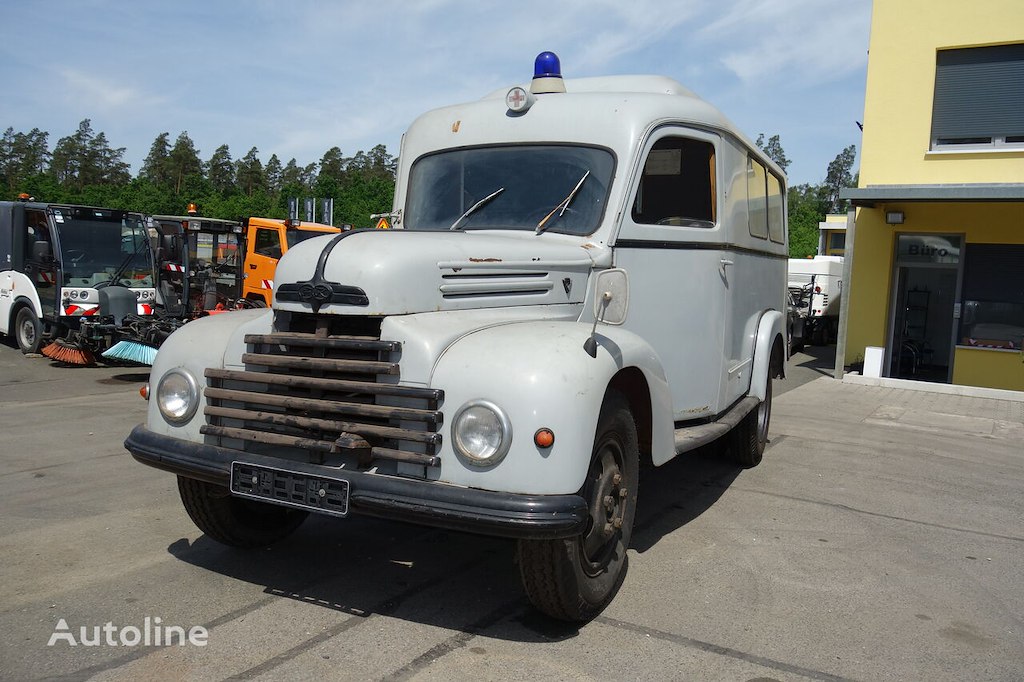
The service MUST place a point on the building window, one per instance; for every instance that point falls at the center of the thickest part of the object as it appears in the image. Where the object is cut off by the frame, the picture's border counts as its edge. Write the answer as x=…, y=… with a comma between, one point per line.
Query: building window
x=835, y=243
x=979, y=98
x=678, y=184
x=992, y=314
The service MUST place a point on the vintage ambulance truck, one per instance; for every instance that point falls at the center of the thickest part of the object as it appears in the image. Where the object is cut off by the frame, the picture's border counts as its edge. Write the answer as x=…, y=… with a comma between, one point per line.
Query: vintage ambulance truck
x=587, y=276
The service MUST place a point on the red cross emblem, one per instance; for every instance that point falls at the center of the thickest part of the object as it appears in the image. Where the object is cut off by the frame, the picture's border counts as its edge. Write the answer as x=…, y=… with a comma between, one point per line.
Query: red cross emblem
x=515, y=98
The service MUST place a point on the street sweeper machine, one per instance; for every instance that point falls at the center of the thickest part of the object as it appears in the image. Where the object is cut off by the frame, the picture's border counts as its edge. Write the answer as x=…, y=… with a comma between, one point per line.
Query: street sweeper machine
x=207, y=266
x=199, y=272
x=70, y=275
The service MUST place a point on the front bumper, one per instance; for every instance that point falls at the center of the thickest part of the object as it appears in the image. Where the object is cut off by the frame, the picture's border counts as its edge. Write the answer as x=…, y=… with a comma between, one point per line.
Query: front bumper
x=425, y=502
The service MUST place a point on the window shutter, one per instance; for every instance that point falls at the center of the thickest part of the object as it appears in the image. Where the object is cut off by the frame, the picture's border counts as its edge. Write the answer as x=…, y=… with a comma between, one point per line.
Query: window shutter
x=979, y=93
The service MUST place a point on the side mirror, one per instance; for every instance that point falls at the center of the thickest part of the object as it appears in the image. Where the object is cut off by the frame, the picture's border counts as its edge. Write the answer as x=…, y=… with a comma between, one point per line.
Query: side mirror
x=611, y=299
x=611, y=303
x=41, y=251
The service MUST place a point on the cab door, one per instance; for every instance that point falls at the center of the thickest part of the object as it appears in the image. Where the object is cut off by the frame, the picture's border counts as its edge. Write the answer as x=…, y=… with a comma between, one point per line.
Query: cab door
x=671, y=244
x=41, y=265
x=265, y=249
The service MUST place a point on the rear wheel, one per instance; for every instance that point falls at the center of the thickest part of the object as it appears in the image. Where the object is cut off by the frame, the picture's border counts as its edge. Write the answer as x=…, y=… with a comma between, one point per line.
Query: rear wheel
x=575, y=579
x=233, y=521
x=749, y=438
x=28, y=330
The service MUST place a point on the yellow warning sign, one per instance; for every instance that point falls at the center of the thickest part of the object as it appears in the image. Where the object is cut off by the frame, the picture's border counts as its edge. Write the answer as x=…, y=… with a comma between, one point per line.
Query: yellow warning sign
x=382, y=224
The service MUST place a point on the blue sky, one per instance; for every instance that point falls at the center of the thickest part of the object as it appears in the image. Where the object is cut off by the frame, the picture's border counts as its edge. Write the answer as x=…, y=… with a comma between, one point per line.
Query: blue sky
x=296, y=78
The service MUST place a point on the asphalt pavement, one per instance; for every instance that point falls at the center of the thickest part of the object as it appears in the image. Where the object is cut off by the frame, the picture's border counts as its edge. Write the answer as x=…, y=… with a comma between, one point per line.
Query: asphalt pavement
x=880, y=539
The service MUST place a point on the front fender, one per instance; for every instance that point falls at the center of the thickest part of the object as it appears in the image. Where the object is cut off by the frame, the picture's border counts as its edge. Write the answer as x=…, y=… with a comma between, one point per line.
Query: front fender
x=214, y=341
x=539, y=374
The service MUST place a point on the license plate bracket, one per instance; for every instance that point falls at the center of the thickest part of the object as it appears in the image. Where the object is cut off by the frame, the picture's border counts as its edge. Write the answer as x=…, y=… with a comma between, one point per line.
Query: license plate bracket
x=319, y=494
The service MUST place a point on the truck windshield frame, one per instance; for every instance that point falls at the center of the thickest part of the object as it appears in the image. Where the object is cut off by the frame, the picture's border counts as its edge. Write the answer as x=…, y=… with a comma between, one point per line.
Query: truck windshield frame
x=536, y=178
x=300, y=235
x=94, y=246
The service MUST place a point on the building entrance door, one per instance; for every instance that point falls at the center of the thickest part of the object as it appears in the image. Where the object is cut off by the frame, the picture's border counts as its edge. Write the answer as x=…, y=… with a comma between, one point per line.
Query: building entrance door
x=925, y=297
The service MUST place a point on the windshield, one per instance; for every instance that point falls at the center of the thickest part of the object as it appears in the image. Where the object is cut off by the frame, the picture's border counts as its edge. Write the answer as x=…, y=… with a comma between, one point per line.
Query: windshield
x=296, y=236
x=522, y=186
x=99, y=245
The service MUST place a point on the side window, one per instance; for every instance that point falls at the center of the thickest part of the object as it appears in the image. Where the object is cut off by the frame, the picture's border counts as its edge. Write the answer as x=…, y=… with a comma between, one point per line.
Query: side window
x=36, y=231
x=268, y=243
x=678, y=184
x=776, y=219
x=757, y=204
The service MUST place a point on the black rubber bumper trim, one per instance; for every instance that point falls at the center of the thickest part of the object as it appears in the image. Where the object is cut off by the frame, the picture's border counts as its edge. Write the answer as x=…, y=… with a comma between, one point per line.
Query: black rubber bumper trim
x=425, y=502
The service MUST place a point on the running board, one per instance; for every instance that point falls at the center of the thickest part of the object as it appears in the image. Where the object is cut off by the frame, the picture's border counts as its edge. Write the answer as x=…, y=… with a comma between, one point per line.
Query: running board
x=692, y=437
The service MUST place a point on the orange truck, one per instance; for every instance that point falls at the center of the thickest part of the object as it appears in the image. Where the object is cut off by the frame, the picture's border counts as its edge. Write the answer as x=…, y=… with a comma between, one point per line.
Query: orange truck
x=267, y=239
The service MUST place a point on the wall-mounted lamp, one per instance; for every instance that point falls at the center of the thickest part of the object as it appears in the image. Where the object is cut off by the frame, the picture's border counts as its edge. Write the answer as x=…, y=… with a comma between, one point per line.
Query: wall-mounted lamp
x=894, y=217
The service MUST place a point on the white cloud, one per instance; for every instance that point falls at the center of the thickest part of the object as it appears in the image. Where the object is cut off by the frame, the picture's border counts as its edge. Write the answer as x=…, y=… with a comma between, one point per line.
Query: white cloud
x=804, y=42
x=102, y=93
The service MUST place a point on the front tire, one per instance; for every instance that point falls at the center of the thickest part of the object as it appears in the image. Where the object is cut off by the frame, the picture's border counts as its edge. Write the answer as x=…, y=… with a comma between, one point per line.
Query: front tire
x=29, y=331
x=575, y=579
x=233, y=521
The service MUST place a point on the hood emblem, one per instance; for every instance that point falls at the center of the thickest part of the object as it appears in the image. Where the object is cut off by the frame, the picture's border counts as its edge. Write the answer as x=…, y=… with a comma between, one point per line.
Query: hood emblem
x=315, y=294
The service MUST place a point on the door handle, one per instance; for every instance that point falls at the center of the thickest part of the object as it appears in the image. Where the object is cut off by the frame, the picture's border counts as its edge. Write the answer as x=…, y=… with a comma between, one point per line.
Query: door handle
x=252, y=266
x=725, y=262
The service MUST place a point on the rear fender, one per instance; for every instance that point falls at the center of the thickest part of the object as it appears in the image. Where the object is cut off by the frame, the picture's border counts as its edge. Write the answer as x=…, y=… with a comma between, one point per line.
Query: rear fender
x=771, y=328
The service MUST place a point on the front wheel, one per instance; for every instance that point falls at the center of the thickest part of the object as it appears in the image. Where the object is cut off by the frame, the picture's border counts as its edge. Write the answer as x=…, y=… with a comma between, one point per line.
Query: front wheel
x=233, y=521
x=28, y=331
x=576, y=578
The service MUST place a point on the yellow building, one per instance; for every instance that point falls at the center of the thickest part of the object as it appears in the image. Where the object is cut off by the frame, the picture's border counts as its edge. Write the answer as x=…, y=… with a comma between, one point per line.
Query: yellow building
x=935, y=241
x=832, y=235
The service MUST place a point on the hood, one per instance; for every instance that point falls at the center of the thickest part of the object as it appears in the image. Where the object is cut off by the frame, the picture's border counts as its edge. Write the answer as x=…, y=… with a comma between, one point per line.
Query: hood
x=397, y=272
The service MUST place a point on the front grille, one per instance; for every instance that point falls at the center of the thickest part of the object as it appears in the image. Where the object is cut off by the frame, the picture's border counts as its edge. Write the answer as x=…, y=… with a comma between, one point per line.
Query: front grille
x=324, y=389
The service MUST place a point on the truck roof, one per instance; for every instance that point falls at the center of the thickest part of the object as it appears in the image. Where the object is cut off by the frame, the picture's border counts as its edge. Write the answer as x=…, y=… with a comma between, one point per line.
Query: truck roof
x=609, y=111
x=297, y=225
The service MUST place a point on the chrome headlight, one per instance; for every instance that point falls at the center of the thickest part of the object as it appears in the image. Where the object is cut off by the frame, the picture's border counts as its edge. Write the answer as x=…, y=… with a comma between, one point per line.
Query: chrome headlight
x=481, y=433
x=177, y=396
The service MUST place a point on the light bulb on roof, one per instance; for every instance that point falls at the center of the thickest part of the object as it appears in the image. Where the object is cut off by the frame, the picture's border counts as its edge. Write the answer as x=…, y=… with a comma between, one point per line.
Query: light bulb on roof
x=547, y=74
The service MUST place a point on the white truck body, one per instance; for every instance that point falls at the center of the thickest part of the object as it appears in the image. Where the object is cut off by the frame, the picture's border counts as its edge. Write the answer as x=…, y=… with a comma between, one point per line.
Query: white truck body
x=822, y=276
x=620, y=238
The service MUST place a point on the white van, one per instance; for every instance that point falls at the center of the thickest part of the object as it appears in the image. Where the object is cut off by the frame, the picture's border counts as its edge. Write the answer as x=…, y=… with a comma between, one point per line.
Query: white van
x=585, y=276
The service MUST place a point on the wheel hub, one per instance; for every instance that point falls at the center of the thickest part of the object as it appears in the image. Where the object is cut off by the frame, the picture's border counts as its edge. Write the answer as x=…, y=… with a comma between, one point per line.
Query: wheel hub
x=607, y=510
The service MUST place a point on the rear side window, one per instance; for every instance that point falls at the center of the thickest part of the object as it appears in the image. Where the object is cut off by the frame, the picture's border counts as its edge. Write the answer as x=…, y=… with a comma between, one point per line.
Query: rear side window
x=678, y=184
x=757, y=199
x=776, y=219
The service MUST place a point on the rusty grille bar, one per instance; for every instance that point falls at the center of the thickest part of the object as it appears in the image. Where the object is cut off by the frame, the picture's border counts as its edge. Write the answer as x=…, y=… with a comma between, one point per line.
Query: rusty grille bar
x=325, y=364
x=322, y=391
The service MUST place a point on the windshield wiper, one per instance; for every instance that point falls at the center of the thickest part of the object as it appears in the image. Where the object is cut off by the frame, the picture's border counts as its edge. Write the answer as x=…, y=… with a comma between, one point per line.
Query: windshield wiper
x=562, y=205
x=472, y=209
x=129, y=258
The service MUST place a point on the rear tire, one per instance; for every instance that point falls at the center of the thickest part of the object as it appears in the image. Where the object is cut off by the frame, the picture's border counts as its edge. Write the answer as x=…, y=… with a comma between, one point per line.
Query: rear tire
x=575, y=579
x=233, y=521
x=28, y=331
x=748, y=439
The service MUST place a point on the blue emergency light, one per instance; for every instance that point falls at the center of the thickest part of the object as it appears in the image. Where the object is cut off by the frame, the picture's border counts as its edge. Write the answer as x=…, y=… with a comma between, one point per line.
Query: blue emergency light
x=547, y=74
x=546, y=65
